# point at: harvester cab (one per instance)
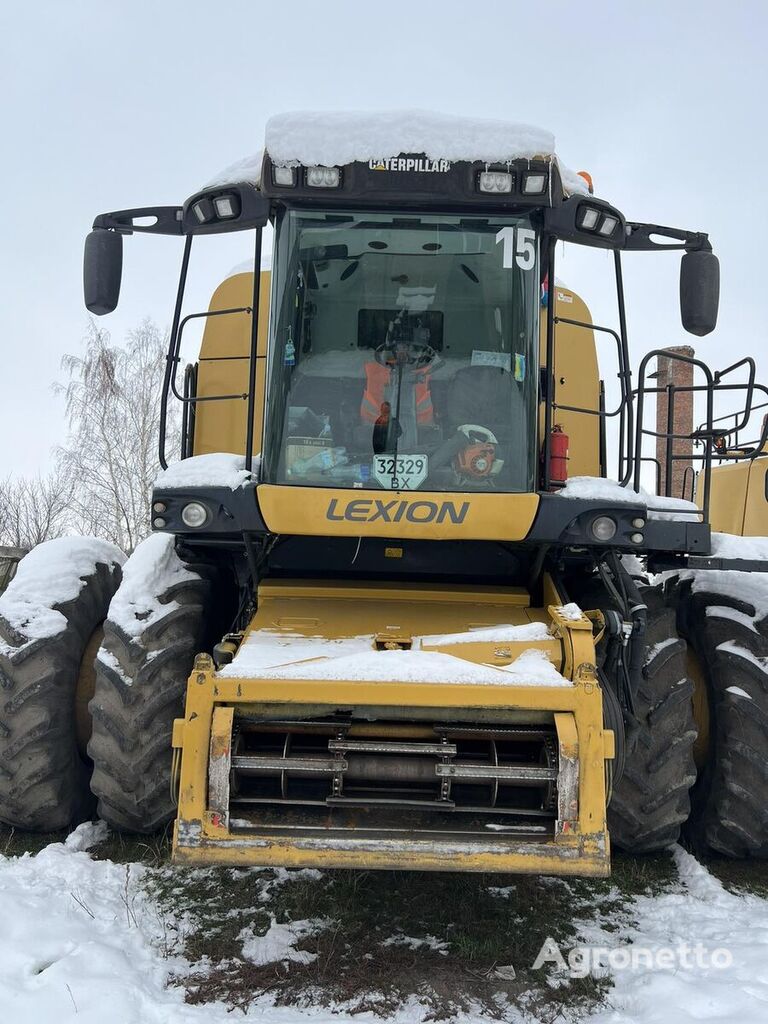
(429, 653)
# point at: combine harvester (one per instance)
(377, 628)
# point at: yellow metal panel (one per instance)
(323, 511)
(577, 381)
(727, 496)
(223, 367)
(756, 504)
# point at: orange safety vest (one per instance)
(377, 378)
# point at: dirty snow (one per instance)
(152, 568)
(51, 574)
(338, 137)
(532, 668)
(220, 469)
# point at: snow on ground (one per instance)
(82, 942)
(220, 469)
(153, 567)
(51, 574)
(700, 911)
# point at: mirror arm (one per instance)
(638, 239)
(167, 220)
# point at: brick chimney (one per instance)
(677, 374)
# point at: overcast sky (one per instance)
(110, 105)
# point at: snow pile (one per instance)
(278, 944)
(220, 469)
(571, 611)
(151, 570)
(595, 488)
(703, 912)
(532, 668)
(332, 138)
(50, 575)
(502, 634)
(76, 942)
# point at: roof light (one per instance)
(323, 177)
(609, 225)
(203, 210)
(227, 207)
(588, 179)
(589, 218)
(534, 183)
(495, 181)
(285, 177)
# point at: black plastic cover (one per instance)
(102, 270)
(699, 292)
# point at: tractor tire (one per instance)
(141, 678)
(43, 771)
(729, 811)
(651, 801)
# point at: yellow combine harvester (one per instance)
(393, 638)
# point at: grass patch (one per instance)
(153, 850)
(740, 876)
(385, 937)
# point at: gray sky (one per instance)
(110, 105)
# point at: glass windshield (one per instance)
(404, 352)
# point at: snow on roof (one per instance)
(151, 570)
(50, 575)
(220, 469)
(332, 138)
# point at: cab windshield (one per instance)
(404, 352)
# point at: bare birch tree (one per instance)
(112, 398)
(34, 509)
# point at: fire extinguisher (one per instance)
(558, 457)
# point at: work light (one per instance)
(495, 181)
(534, 183)
(227, 206)
(284, 176)
(323, 177)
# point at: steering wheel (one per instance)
(404, 353)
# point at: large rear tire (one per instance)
(156, 625)
(729, 809)
(43, 775)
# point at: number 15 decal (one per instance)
(519, 247)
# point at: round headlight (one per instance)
(195, 515)
(603, 528)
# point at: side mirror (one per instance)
(102, 270)
(699, 292)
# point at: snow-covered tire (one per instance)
(156, 625)
(730, 815)
(43, 778)
(651, 801)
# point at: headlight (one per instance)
(603, 528)
(195, 514)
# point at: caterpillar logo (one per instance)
(411, 163)
(363, 510)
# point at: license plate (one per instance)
(400, 472)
